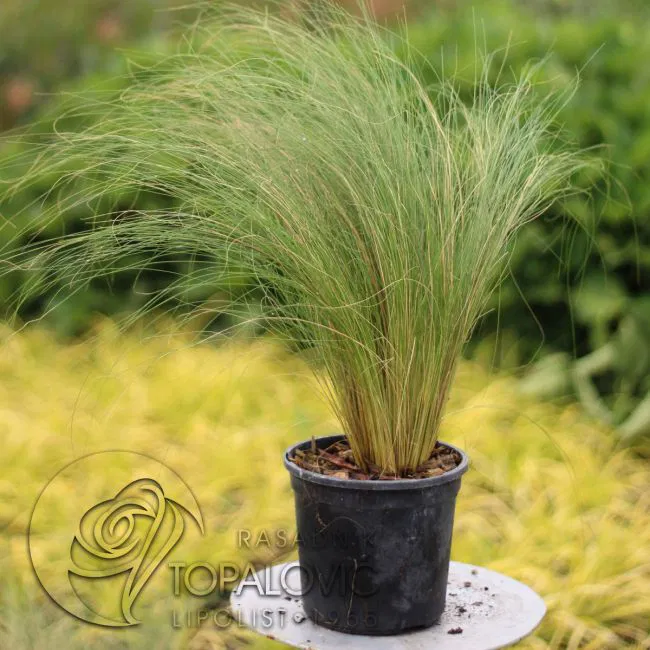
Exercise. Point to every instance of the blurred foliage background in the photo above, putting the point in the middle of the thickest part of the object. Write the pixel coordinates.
(549, 500)
(573, 315)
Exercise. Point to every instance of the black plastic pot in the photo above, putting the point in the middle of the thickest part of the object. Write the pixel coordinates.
(374, 555)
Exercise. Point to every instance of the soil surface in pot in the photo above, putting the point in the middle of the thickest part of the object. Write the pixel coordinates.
(337, 461)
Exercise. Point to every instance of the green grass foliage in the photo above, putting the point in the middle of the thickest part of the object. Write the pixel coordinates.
(582, 267)
(375, 218)
(577, 281)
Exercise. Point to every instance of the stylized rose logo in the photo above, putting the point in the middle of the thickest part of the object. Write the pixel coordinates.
(116, 544)
(126, 535)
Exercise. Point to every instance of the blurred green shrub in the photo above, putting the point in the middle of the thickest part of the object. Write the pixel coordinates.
(44, 44)
(60, 64)
(45, 47)
(134, 285)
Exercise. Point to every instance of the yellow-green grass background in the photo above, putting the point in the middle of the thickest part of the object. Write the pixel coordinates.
(549, 499)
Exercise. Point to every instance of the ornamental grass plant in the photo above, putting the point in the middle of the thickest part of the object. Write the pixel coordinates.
(375, 215)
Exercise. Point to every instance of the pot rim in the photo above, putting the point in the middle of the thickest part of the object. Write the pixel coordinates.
(386, 486)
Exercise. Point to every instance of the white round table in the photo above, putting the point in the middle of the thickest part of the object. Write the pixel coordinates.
(485, 610)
